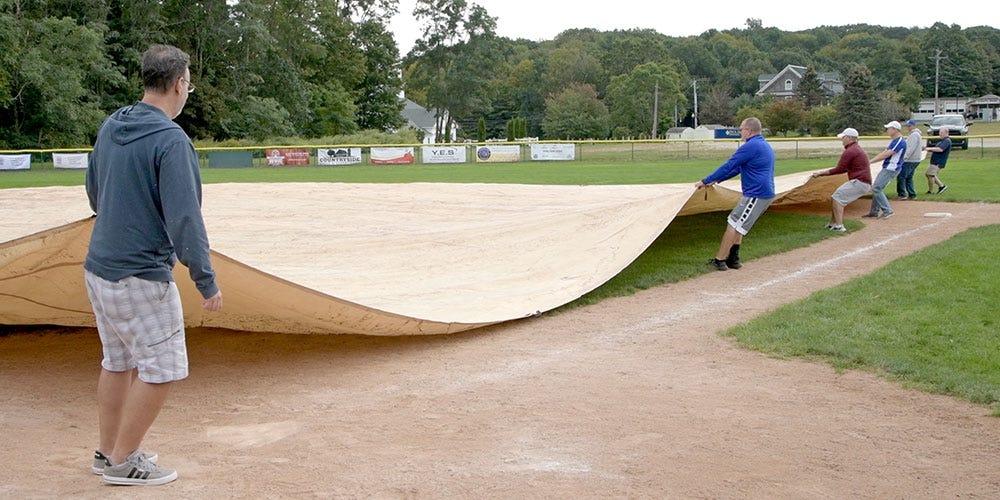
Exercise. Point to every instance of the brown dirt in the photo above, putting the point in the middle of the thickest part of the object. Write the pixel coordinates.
(634, 397)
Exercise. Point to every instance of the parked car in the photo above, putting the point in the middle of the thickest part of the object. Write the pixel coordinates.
(955, 124)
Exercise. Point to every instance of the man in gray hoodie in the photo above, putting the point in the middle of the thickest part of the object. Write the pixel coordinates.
(914, 150)
(144, 184)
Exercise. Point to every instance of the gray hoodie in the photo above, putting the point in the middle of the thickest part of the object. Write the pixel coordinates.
(144, 184)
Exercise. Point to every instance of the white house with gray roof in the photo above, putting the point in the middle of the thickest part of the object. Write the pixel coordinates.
(421, 119)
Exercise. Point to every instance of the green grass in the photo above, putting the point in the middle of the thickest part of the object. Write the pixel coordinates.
(679, 252)
(928, 320)
(890, 322)
(969, 178)
(985, 128)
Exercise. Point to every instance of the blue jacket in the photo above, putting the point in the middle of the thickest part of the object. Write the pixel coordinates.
(754, 162)
(144, 184)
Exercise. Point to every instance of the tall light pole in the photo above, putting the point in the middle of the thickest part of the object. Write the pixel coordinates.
(695, 85)
(656, 108)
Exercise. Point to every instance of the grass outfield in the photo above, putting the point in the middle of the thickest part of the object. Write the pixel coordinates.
(956, 354)
(969, 177)
(930, 321)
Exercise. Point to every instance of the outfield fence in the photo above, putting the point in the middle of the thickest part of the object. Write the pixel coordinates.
(985, 146)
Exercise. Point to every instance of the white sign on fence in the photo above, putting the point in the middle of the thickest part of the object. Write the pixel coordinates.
(442, 154)
(69, 160)
(15, 162)
(338, 156)
(553, 151)
(496, 154)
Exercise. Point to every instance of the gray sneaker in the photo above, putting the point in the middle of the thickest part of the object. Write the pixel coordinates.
(139, 471)
(101, 461)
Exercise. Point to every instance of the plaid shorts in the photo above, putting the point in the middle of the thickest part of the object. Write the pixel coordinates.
(141, 325)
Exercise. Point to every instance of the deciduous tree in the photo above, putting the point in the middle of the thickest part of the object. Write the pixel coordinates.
(575, 113)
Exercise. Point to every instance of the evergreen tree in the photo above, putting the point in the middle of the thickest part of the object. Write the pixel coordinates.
(859, 106)
(810, 90)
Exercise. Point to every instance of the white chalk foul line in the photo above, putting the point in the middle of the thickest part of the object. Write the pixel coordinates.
(830, 262)
(708, 301)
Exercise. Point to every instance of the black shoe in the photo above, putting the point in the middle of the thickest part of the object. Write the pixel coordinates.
(942, 188)
(870, 216)
(913, 197)
(733, 260)
(928, 192)
(719, 265)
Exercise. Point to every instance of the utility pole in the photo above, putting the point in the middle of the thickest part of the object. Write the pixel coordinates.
(695, 85)
(937, 77)
(656, 109)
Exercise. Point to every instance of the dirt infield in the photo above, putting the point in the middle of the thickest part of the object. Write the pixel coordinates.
(635, 397)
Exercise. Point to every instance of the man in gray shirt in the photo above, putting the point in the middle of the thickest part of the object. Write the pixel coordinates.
(144, 184)
(914, 147)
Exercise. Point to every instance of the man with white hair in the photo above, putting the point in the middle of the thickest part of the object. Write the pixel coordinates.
(854, 162)
(939, 158)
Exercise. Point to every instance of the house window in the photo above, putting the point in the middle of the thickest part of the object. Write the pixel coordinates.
(788, 84)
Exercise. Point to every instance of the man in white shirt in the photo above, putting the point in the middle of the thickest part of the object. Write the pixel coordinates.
(892, 163)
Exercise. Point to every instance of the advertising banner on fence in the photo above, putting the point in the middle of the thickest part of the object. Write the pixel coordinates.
(230, 159)
(279, 157)
(553, 151)
(69, 160)
(338, 156)
(15, 162)
(392, 156)
(442, 154)
(497, 154)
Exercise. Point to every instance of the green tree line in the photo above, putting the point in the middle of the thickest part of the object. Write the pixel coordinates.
(267, 69)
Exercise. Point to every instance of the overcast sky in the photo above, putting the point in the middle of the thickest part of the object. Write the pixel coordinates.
(544, 19)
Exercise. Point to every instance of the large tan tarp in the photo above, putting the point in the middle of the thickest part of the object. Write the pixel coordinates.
(380, 259)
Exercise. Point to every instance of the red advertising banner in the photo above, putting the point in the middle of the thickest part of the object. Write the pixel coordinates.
(279, 157)
(391, 156)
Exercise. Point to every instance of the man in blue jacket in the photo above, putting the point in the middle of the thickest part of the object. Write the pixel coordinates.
(754, 163)
(144, 184)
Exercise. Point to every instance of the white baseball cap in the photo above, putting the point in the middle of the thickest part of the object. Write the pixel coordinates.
(894, 124)
(848, 132)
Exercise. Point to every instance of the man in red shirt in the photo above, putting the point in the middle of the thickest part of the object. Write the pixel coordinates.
(853, 161)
